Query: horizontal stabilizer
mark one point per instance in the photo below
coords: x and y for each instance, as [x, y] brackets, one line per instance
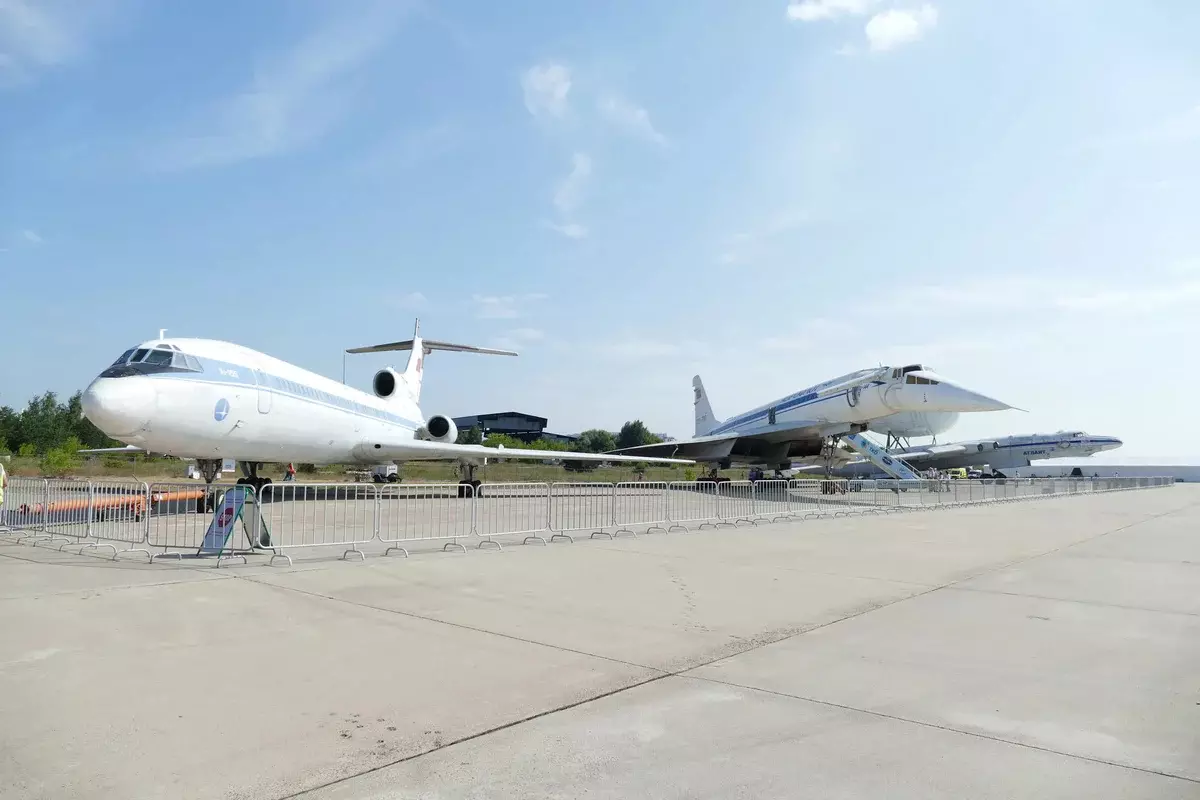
[430, 345]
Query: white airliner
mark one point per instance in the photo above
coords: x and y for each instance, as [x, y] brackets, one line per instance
[903, 402]
[212, 400]
[1007, 452]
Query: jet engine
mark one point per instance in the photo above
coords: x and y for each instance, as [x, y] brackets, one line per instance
[386, 382]
[440, 428]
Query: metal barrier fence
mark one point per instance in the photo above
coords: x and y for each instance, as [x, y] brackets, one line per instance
[502, 509]
[170, 518]
[406, 513]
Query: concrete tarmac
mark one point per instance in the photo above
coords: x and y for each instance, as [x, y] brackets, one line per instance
[1044, 649]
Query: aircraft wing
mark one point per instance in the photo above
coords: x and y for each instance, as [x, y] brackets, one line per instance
[126, 450]
[697, 447]
[423, 450]
[933, 451]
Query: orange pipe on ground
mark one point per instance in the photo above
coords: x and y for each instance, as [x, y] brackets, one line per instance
[136, 503]
[183, 494]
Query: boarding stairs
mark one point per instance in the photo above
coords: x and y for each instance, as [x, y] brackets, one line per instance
[877, 455]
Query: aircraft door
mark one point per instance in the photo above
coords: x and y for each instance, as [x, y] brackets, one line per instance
[264, 393]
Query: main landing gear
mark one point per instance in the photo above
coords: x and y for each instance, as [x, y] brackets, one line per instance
[468, 470]
[250, 476]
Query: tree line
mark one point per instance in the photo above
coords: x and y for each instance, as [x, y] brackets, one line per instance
[632, 434]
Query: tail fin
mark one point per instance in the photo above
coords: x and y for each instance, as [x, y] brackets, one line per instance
[421, 348]
[414, 370]
[705, 419]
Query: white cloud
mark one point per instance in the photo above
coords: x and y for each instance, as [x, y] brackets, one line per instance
[745, 245]
[410, 149]
[815, 10]
[517, 338]
[546, 87]
[294, 99]
[411, 301]
[42, 34]
[568, 194]
[31, 236]
[895, 27]
[629, 117]
[571, 230]
[503, 306]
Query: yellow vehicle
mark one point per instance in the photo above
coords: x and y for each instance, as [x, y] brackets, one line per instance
[957, 472]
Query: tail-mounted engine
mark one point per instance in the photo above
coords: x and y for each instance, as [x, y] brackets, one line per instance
[439, 428]
[386, 382]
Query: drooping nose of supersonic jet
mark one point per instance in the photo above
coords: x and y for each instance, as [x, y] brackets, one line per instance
[121, 407]
[924, 390]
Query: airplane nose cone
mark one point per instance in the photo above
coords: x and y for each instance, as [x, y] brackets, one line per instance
[119, 406]
[946, 395]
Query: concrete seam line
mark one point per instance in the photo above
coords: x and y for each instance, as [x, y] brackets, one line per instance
[940, 727]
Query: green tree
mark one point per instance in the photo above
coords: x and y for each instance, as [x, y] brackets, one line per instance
[27, 450]
[58, 461]
[635, 434]
[596, 441]
[472, 435]
[497, 439]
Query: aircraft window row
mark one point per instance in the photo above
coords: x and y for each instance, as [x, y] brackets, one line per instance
[325, 397]
[920, 381]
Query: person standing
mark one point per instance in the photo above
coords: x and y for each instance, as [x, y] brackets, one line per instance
[3, 486]
[291, 472]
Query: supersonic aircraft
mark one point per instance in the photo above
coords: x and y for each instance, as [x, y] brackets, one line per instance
[900, 401]
[1007, 452]
[211, 400]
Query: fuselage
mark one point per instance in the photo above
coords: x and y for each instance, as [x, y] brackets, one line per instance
[205, 398]
[907, 401]
[1007, 452]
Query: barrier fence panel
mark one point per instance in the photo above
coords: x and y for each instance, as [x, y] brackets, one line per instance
[24, 504]
[513, 508]
[415, 512]
[735, 502]
[581, 507]
[845, 497]
[293, 515]
[640, 503]
[179, 516]
[119, 513]
[772, 500]
[66, 511]
[692, 502]
[805, 498]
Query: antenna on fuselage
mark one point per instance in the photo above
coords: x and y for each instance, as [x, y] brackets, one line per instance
[162, 334]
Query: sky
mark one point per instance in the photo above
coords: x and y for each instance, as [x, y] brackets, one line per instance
[766, 193]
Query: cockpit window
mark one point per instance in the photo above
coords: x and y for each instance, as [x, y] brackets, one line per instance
[147, 361]
[911, 368]
[914, 379]
[121, 359]
[158, 357]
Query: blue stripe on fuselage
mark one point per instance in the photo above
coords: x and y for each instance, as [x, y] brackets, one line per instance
[787, 404]
[226, 373]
